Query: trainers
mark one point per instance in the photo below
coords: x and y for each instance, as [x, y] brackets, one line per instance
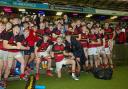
[37, 76]
[75, 78]
[22, 76]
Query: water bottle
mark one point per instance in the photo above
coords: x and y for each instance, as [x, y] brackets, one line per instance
[39, 87]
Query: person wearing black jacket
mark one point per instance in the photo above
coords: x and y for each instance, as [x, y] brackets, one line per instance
[72, 45]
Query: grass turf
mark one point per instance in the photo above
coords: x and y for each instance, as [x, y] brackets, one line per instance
[87, 81]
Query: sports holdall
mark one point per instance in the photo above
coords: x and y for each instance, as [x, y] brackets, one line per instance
[101, 73]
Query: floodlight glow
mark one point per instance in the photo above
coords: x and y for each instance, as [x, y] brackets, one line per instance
[89, 15]
[23, 10]
[43, 14]
[114, 17]
[59, 13]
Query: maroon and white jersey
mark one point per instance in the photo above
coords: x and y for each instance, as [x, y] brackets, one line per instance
[84, 39]
[92, 39]
[42, 46]
[109, 32]
[12, 40]
[106, 37]
[101, 37]
[1, 41]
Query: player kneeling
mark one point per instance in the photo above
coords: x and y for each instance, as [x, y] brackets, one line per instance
[59, 55]
[42, 51]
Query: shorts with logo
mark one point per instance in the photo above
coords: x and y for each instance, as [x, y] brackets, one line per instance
[101, 49]
[60, 64]
[107, 50]
[3, 55]
[42, 54]
[92, 51]
[14, 55]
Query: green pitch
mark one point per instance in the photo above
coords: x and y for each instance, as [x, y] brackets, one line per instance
[87, 81]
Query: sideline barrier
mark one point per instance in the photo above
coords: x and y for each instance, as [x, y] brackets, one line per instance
[65, 8]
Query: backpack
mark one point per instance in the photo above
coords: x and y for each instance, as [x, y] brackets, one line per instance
[101, 73]
[108, 73]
